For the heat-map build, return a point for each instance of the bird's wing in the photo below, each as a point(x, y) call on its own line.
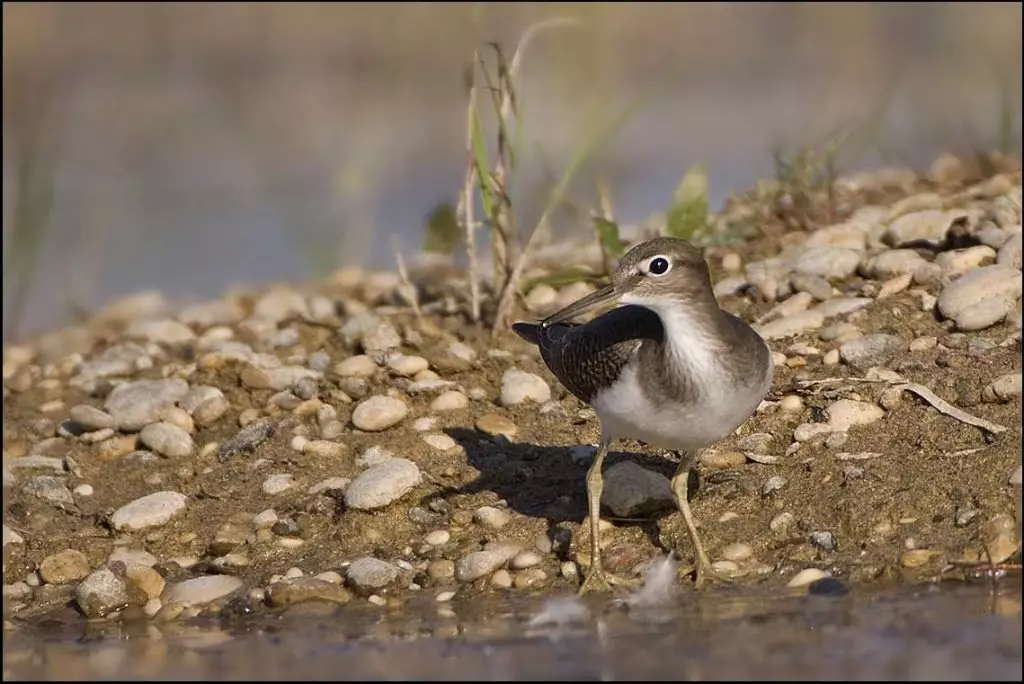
point(588, 357)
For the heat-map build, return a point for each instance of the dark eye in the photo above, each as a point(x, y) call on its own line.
point(658, 266)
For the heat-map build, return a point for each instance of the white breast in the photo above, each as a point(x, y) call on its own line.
point(626, 411)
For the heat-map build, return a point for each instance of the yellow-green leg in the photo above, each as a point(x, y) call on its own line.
point(596, 579)
point(702, 564)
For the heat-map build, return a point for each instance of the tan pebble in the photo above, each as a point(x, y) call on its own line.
point(728, 516)
point(1002, 546)
point(831, 357)
point(496, 424)
point(923, 343)
point(737, 552)
point(722, 460)
point(298, 443)
point(796, 362)
point(175, 415)
point(894, 285)
point(426, 375)
point(779, 358)
point(147, 579)
point(732, 262)
point(805, 577)
point(501, 579)
point(529, 577)
point(248, 416)
point(441, 569)
point(913, 558)
point(791, 403)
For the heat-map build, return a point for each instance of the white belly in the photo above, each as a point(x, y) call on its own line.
point(626, 412)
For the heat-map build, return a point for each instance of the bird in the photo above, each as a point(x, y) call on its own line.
point(667, 366)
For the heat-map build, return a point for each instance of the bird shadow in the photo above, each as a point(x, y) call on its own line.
point(546, 481)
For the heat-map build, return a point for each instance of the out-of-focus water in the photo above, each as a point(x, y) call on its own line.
point(195, 149)
point(927, 633)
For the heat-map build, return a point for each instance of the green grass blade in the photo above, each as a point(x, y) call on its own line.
point(688, 216)
point(608, 232)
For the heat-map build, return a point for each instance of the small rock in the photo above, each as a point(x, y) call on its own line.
point(449, 400)
point(994, 288)
point(12, 537)
point(914, 558)
point(845, 413)
point(247, 439)
point(526, 559)
point(824, 540)
point(1004, 388)
point(794, 324)
point(438, 537)
point(382, 484)
point(302, 589)
point(91, 418)
point(782, 522)
point(773, 484)
point(440, 442)
point(870, 350)
point(331, 484)
point(101, 593)
point(368, 574)
point(379, 413)
point(631, 490)
point(893, 263)
point(133, 405)
point(518, 386)
point(278, 483)
point(805, 577)
point(373, 455)
point(495, 424)
point(380, 339)
point(146, 579)
point(928, 226)
point(1010, 252)
point(722, 460)
point(201, 590)
point(828, 262)
point(49, 488)
point(501, 579)
point(478, 564)
point(148, 511)
point(491, 517)
point(167, 440)
point(737, 552)
point(65, 567)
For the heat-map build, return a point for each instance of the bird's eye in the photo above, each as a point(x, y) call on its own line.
point(658, 266)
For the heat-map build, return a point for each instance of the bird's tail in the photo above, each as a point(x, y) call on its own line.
point(528, 331)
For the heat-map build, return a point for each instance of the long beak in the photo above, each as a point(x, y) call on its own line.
point(581, 305)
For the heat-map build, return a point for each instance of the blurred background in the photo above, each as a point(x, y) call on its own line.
point(191, 147)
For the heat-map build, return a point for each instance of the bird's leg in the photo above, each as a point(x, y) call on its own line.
point(702, 565)
point(596, 579)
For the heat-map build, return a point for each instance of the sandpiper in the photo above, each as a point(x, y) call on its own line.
point(668, 367)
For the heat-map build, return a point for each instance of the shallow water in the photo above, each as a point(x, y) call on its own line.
point(949, 632)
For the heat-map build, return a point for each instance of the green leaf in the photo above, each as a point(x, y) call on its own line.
point(689, 213)
point(442, 232)
point(608, 232)
point(483, 168)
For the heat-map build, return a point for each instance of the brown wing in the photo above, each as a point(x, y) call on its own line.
point(589, 357)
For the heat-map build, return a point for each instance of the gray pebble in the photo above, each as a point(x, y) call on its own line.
point(247, 439)
point(49, 488)
point(12, 537)
point(151, 510)
point(491, 517)
point(201, 590)
point(828, 262)
point(1010, 252)
point(211, 410)
point(90, 417)
point(121, 359)
point(373, 455)
point(892, 263)
point(791, 325)
point(382, 484)
point(371, 573)
point(870, 350)
point(824, 540)
point(134, 405)
point(630, 490)
point(101, 593)
point(773, 484)
point(162, 331)
point(379, 339)
point(278, 483)
point(928, 226)
point(816, 286)
point(478, 564)
point(965, 295)
point(167, 439)
point(1004, 388)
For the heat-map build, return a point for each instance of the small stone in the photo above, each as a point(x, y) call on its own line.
point(478, 564)
point(914, 558)
point(792, 325)
point(131, 557)
point(247, 439)
point(265, 519)
point(359, 366)
point(990, 288)
point(893, 263)
point(373, 455)
point(631, 490)
point(782, 522)
point(526, 559)
point(179, 417)
point(438, 537)
point(303, 589)
point(824, 540)
point(722, 460)
point(135, 404)
point(806, 577)
point(379, 413)
point(167, 440)
point(324, 448)
point(407, 365)
point(49, 488)
point(846, 412)
point(382, 484)
point(737, 552)
point(773, 484)
point(84, 489)
point(101, 593)
point(1002, 389)
point(379, 339)
point(449, 400)
point(148, 511)
point(957, 262)
point(368, 574)
point(201, 590)
point(541, 298)
point(870, 350)
point(91, 418)
point(65, 567)
point(495, 424)
point(1002, 546)
point(923, 343)
point(147, 579)
point(501, 579)
point(831, 357)
point(529, 577)
point(440, 442)
point(518, 386)
point(791, 403)
point(278, 483)
point(491, 517)
point(441, 569)
point(210, 410)
point(929, 226)
point(331, 484)
point(1010, 252)
point(828, 262)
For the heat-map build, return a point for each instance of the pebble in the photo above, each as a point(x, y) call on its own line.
point(331, 484)
point(923, 343)
point(631, 490)
point(289, 592)
point(791, 325)
point(167, 440)
point(91, 418)
point(371, 573)
point(816, 286)
point(957, 262)
point(495, 424)
point(378, 413)
point(737, 552)
point(928, 226)
point(49, 488)
point(65, 567)
point(824, 540)
point(101, 593)
point(449, 400)
point(324, 448)
point(870, 350)
point(210, 410)
point(805, 577)
point(893, 263)
point(722, 460)
point(519, 386)
point(541, 298)
point(990, 289)
point(201, 590)
point(501, 579)
point(438, 537)
point(491, 517)
point(379, 339)
point(782, 522)
point(441, 569)
point(84, 489)
point(131, 557)
point(247, 439)
point(1010, 252)
point(135, 404)
point(1002, 389)
point(407, 365)
point(151, 510)
point(439, 441)
point(845, 413)
point(147, 579)
point(773, 484)
point(828, 262)
point(382, 484)
point(477, 564)
point(914, 558)
point(791, 403)
point(445, 596)
point(526, 559)
point(265, 519)
point(278, 484)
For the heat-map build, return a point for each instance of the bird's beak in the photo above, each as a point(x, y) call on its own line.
point(581, 305)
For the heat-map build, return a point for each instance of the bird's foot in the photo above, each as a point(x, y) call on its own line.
point(598, 580)
point(704, 572)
